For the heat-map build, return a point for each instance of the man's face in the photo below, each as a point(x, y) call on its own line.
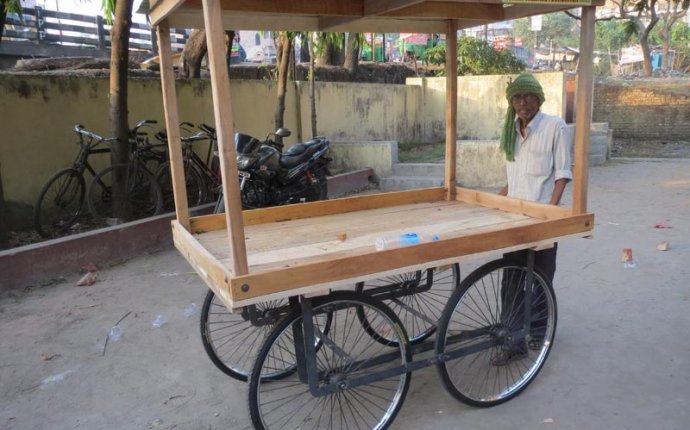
point(526, 105)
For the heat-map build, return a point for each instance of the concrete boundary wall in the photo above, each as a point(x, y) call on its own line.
point(39, 112)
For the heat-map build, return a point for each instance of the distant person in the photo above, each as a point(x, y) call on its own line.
point(237, 53)
point(537, 150)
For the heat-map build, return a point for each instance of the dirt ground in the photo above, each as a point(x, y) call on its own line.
point(619, 360)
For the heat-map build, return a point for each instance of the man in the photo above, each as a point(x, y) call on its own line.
point(537, 148)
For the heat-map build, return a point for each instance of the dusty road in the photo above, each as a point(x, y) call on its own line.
point(620, 359)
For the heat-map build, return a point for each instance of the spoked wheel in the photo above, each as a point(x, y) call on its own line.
point(194, 182)
point(232, 340)
point(417, 298)
point(142, 193)
point(59, 203)
point(481, 323)
point(347, 352)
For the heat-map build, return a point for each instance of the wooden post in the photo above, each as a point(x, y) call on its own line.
point(172, 124)
point(220, 87)
point(583, 110)
point(451, 107)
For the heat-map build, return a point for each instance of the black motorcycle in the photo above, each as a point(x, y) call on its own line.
point(269, 177)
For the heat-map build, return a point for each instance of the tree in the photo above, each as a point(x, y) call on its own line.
point(8, 6)
point(354, 44)
point(193, 53)
point(195, 50)
point(284, 47)
point(330, 48)
point(671, 12)
point(119, 121)
point(477, 57)
point(642, 18)
point(558, 30)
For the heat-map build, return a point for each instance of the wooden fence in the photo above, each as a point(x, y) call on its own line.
point(43, 26)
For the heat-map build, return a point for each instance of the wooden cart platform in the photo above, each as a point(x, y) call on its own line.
point(312, 247)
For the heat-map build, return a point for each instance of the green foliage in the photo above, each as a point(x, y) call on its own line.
point(610, 36)
point(108, 7)
point(476, 57)
point(557, 29)
point(12, 6)
point(421, 152)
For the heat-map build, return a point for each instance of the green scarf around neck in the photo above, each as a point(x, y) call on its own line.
point(524, 83)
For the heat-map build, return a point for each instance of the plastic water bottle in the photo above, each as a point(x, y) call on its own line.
point(406, 239)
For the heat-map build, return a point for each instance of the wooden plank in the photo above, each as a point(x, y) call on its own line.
point(220, 88)
point(330, 248)
point(208, 268)
point(378, 7)
point(161, 9)
point(451, 109)
point(260, 284)
point(326, 207)
point(533, 209)
point(583, 110)
point(172, 124)
point(446, 10)
point(348, 283)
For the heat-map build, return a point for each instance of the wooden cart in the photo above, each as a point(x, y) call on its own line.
point(300, 251)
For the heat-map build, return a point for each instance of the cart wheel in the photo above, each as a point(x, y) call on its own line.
point(496, 365)
point(232, 340)
point(417, 298)
point(347, 352)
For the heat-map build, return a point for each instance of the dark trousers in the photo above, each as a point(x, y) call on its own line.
point(513, 290)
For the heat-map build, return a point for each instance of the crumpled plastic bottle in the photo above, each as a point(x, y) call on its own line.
point(159, 321)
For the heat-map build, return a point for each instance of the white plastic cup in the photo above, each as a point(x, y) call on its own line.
point(115, 333)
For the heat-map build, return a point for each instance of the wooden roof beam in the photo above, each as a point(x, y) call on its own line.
point(380, 7)
point(451, 10)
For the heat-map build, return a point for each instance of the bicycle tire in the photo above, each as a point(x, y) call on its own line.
point(419, 312)
point(194, 182)
point(348, 353)
point(143, 193)
point(60, 202)
point(476, 319)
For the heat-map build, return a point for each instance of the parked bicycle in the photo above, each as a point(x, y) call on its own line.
point(141, 196)
point(202, 176)
point(62, 198)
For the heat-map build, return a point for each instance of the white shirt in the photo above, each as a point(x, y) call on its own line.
point(541, 158)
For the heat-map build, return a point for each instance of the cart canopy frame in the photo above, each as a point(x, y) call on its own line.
point(229, 275)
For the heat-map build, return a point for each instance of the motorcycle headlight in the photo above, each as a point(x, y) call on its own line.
point(244, 161)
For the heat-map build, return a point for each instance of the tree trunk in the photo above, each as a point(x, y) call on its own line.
point(325, 57)
point(3, 17)
point(119, 123)
point(312, 95)
point(283, 53)
point(352, 53)
point(304, 55)
point(193, 53)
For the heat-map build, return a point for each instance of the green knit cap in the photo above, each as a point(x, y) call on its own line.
point(524, 83)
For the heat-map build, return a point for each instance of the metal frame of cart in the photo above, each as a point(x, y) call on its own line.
point(242, 259)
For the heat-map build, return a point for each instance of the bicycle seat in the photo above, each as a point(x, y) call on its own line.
point(301, 152)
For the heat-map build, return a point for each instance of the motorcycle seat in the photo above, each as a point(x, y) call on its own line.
point(300, 153)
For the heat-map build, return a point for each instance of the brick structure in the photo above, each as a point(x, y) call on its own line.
point(645, 109)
